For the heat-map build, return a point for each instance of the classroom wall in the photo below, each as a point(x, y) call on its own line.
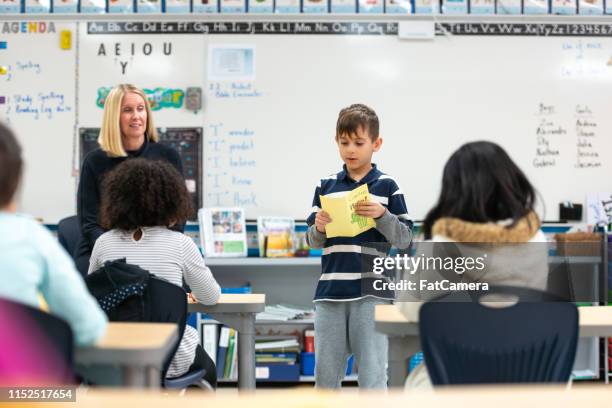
point(271, 97)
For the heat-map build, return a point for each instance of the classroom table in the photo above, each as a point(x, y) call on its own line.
point(238, 311)
point(594, 321)
point(139, 349)
point(600, 273)
point(498, 396)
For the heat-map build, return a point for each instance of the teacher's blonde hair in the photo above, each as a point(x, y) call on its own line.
point(110, 132)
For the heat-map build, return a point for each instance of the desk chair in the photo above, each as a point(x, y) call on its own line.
point(171, 306)
point(162, 302)
point(69, 234)
point(51, 361)
point(531, 341)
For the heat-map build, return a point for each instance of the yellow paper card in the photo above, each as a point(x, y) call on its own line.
point(345, 223)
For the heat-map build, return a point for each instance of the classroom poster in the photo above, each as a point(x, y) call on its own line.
point(454, 6)
point(509, 6)
point(371, 6)
point(233, 6)
point(426, 7)
point(599, 208)
point(261, 6)
point(343, 6)
point(93, 6)
point(314, 6)
point(535, 7)
point(148, 6)
point(287, 6)
point(205, 6)
point(231, 62)
point(38, 6)
point(120, 6)
point(177, 6)
point(10, 7)
point(398, 7)
point(591, 7)
point(563, 6)
point(482, 7)
point(65, 6)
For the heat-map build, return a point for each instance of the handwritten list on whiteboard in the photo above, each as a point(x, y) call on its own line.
point(37, 100)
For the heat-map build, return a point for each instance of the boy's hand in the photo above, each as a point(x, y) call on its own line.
point(371, 209)
point(321, 220)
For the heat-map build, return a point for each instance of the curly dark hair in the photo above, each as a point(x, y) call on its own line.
point(143, 193)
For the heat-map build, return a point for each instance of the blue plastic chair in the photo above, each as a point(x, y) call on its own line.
point(69, 234)
point(531, 341)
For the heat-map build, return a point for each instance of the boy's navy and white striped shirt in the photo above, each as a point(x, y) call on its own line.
point(345, 259)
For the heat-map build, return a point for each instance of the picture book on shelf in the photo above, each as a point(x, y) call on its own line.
point(275, 236)
point(223, 232)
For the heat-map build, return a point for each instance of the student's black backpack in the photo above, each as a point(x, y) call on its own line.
point(119, 283)
point(129, 293)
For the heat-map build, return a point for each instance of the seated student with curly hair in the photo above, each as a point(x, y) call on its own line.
point(141, 201)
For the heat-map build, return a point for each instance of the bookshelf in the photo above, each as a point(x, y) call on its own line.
point(298, 322)
point(303, 379)
point(271, 262)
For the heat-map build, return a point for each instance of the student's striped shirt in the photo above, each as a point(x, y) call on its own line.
point(347, 261)
point(169, 255)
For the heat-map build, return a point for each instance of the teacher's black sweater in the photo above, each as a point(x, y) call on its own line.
point(95, 165)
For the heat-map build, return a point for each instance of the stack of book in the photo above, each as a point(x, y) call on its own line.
point(276, 359)
point(284, 313)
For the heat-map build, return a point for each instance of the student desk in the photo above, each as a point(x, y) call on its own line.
point(594, 321)
point(238, 312)
point(139, 349)
point(472, 397)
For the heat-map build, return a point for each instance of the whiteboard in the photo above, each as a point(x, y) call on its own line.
point(523, 93)
point(269, 133)
point(40, 106)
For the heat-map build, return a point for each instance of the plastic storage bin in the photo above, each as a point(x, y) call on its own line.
point(307, 361)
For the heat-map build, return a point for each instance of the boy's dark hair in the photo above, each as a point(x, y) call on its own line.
point(11, 165)
point(481, 183)
point(355, 117)
point(143, 193)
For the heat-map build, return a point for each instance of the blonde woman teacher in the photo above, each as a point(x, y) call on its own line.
point(127, 132)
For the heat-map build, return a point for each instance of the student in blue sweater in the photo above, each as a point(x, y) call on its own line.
point(33, 264)
point(344, 299)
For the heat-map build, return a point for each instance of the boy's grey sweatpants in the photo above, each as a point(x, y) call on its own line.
point(345, 328)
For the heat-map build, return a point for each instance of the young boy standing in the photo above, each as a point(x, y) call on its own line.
point(344, 322)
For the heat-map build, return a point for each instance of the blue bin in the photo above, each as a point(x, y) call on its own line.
point(415, 360)
point(307, 362)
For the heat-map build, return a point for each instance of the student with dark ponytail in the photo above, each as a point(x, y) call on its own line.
point(482, 185)
point(486, 206)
